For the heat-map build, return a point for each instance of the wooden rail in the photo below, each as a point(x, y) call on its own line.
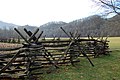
point(44, 54)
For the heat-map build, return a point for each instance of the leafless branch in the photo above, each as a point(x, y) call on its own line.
point(111, 5)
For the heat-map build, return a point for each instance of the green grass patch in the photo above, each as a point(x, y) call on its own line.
point(106, 67)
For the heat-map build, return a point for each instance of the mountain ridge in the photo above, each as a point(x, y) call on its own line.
point(93, 25)
point(5, 25)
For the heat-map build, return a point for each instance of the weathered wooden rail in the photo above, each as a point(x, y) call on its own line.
point(42, 56)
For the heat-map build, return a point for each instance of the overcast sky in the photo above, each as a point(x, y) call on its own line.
point(38, 12)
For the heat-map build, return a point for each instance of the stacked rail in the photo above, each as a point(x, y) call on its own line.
point(43, 56)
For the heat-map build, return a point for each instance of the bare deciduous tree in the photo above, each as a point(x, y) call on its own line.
point(109, 6)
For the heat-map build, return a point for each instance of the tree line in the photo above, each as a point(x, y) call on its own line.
point(93, 25)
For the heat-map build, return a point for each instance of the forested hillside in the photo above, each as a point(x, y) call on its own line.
point(94, 25)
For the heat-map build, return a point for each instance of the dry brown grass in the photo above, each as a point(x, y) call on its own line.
point(8, 45)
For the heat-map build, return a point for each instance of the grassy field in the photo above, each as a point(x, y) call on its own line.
point(114, 43)
point(106, 67)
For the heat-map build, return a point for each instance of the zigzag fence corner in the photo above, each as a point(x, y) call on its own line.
point(43, 56)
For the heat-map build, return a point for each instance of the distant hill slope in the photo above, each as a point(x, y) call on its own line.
point(90, 25)
point(94, 25)
point(52, 28)
point(4, 25)
point(28, 27)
